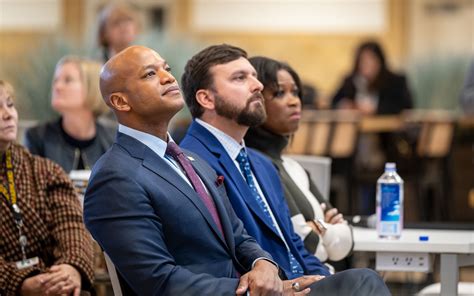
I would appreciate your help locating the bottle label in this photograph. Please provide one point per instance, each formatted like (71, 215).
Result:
(390, 202)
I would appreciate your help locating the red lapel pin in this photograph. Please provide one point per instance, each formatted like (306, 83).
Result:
(219, 180)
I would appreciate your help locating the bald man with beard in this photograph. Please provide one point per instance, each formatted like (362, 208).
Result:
(162, 216)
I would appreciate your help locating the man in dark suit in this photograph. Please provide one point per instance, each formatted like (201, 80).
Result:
(162, 216)
(224, 97)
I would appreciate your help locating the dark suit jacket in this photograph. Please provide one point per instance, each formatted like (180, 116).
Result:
(202, 142)
(158, 232)
(394, 95)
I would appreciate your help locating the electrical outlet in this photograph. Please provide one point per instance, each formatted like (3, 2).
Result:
(390, 261)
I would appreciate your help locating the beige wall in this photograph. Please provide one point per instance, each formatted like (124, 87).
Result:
(321, 59)
(15, 43)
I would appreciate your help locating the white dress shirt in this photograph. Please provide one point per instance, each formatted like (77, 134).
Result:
(157, 145)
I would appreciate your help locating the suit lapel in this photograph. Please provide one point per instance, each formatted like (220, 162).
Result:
(160, 167)
(214, 193)
(228, 165)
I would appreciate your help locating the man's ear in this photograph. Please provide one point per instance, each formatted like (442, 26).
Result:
(206, 99)
(119, 102)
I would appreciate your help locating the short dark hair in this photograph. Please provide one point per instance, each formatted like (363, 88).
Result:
(267, 70)
(197, 76)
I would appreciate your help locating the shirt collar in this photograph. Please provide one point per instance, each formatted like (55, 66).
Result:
(231, 146)
(154, 143)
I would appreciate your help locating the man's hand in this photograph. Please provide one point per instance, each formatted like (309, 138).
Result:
(263, 279)
(332, 216)
(300, 286)
(62, 279)
(33, 286)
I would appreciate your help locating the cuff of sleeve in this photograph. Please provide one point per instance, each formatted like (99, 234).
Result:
(311, 242)
(281, 273)
(264, 258)
(338, 241)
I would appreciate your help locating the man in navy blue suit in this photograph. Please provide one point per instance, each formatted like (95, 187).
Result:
(162, 215)
(224, 96)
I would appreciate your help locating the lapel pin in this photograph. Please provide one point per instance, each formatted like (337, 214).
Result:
(190, 158)
(219, 180)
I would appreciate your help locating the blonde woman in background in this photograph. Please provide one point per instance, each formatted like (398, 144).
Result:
(76, 140)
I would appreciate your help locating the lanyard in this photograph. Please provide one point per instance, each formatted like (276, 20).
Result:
(10, 195)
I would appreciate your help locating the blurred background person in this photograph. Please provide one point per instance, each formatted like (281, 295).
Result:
(45, 249)
(76, 140)
(118, 28)
(371, 87)
(282, 93)
(467, 94)
(310, 96)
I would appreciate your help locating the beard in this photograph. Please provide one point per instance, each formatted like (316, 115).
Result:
(246, 116)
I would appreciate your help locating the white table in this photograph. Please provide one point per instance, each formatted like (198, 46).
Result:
(456, 248)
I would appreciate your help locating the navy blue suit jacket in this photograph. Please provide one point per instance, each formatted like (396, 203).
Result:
(199, 140)
(158, 232)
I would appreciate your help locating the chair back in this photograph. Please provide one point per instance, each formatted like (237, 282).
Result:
(120, 287)
(319, 168)
(326, 133)
(436, 134)
(113, 276)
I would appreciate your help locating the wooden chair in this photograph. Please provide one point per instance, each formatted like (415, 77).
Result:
(331, 134)
(433, 148)
(326, 133)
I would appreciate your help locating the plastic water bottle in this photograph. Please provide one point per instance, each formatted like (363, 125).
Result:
(390, 203)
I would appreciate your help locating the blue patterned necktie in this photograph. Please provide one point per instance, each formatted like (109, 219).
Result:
(244, 164)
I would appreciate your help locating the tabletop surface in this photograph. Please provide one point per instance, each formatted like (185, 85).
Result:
(439, 241)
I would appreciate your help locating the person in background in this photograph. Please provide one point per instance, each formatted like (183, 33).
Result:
(118, 28)
(371, 87)
(45, 249)
(224, 96)
(466, 99)
(332, 238)
(75, 140)
(310, 98)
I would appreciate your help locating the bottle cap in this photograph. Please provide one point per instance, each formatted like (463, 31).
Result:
(390, 167)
